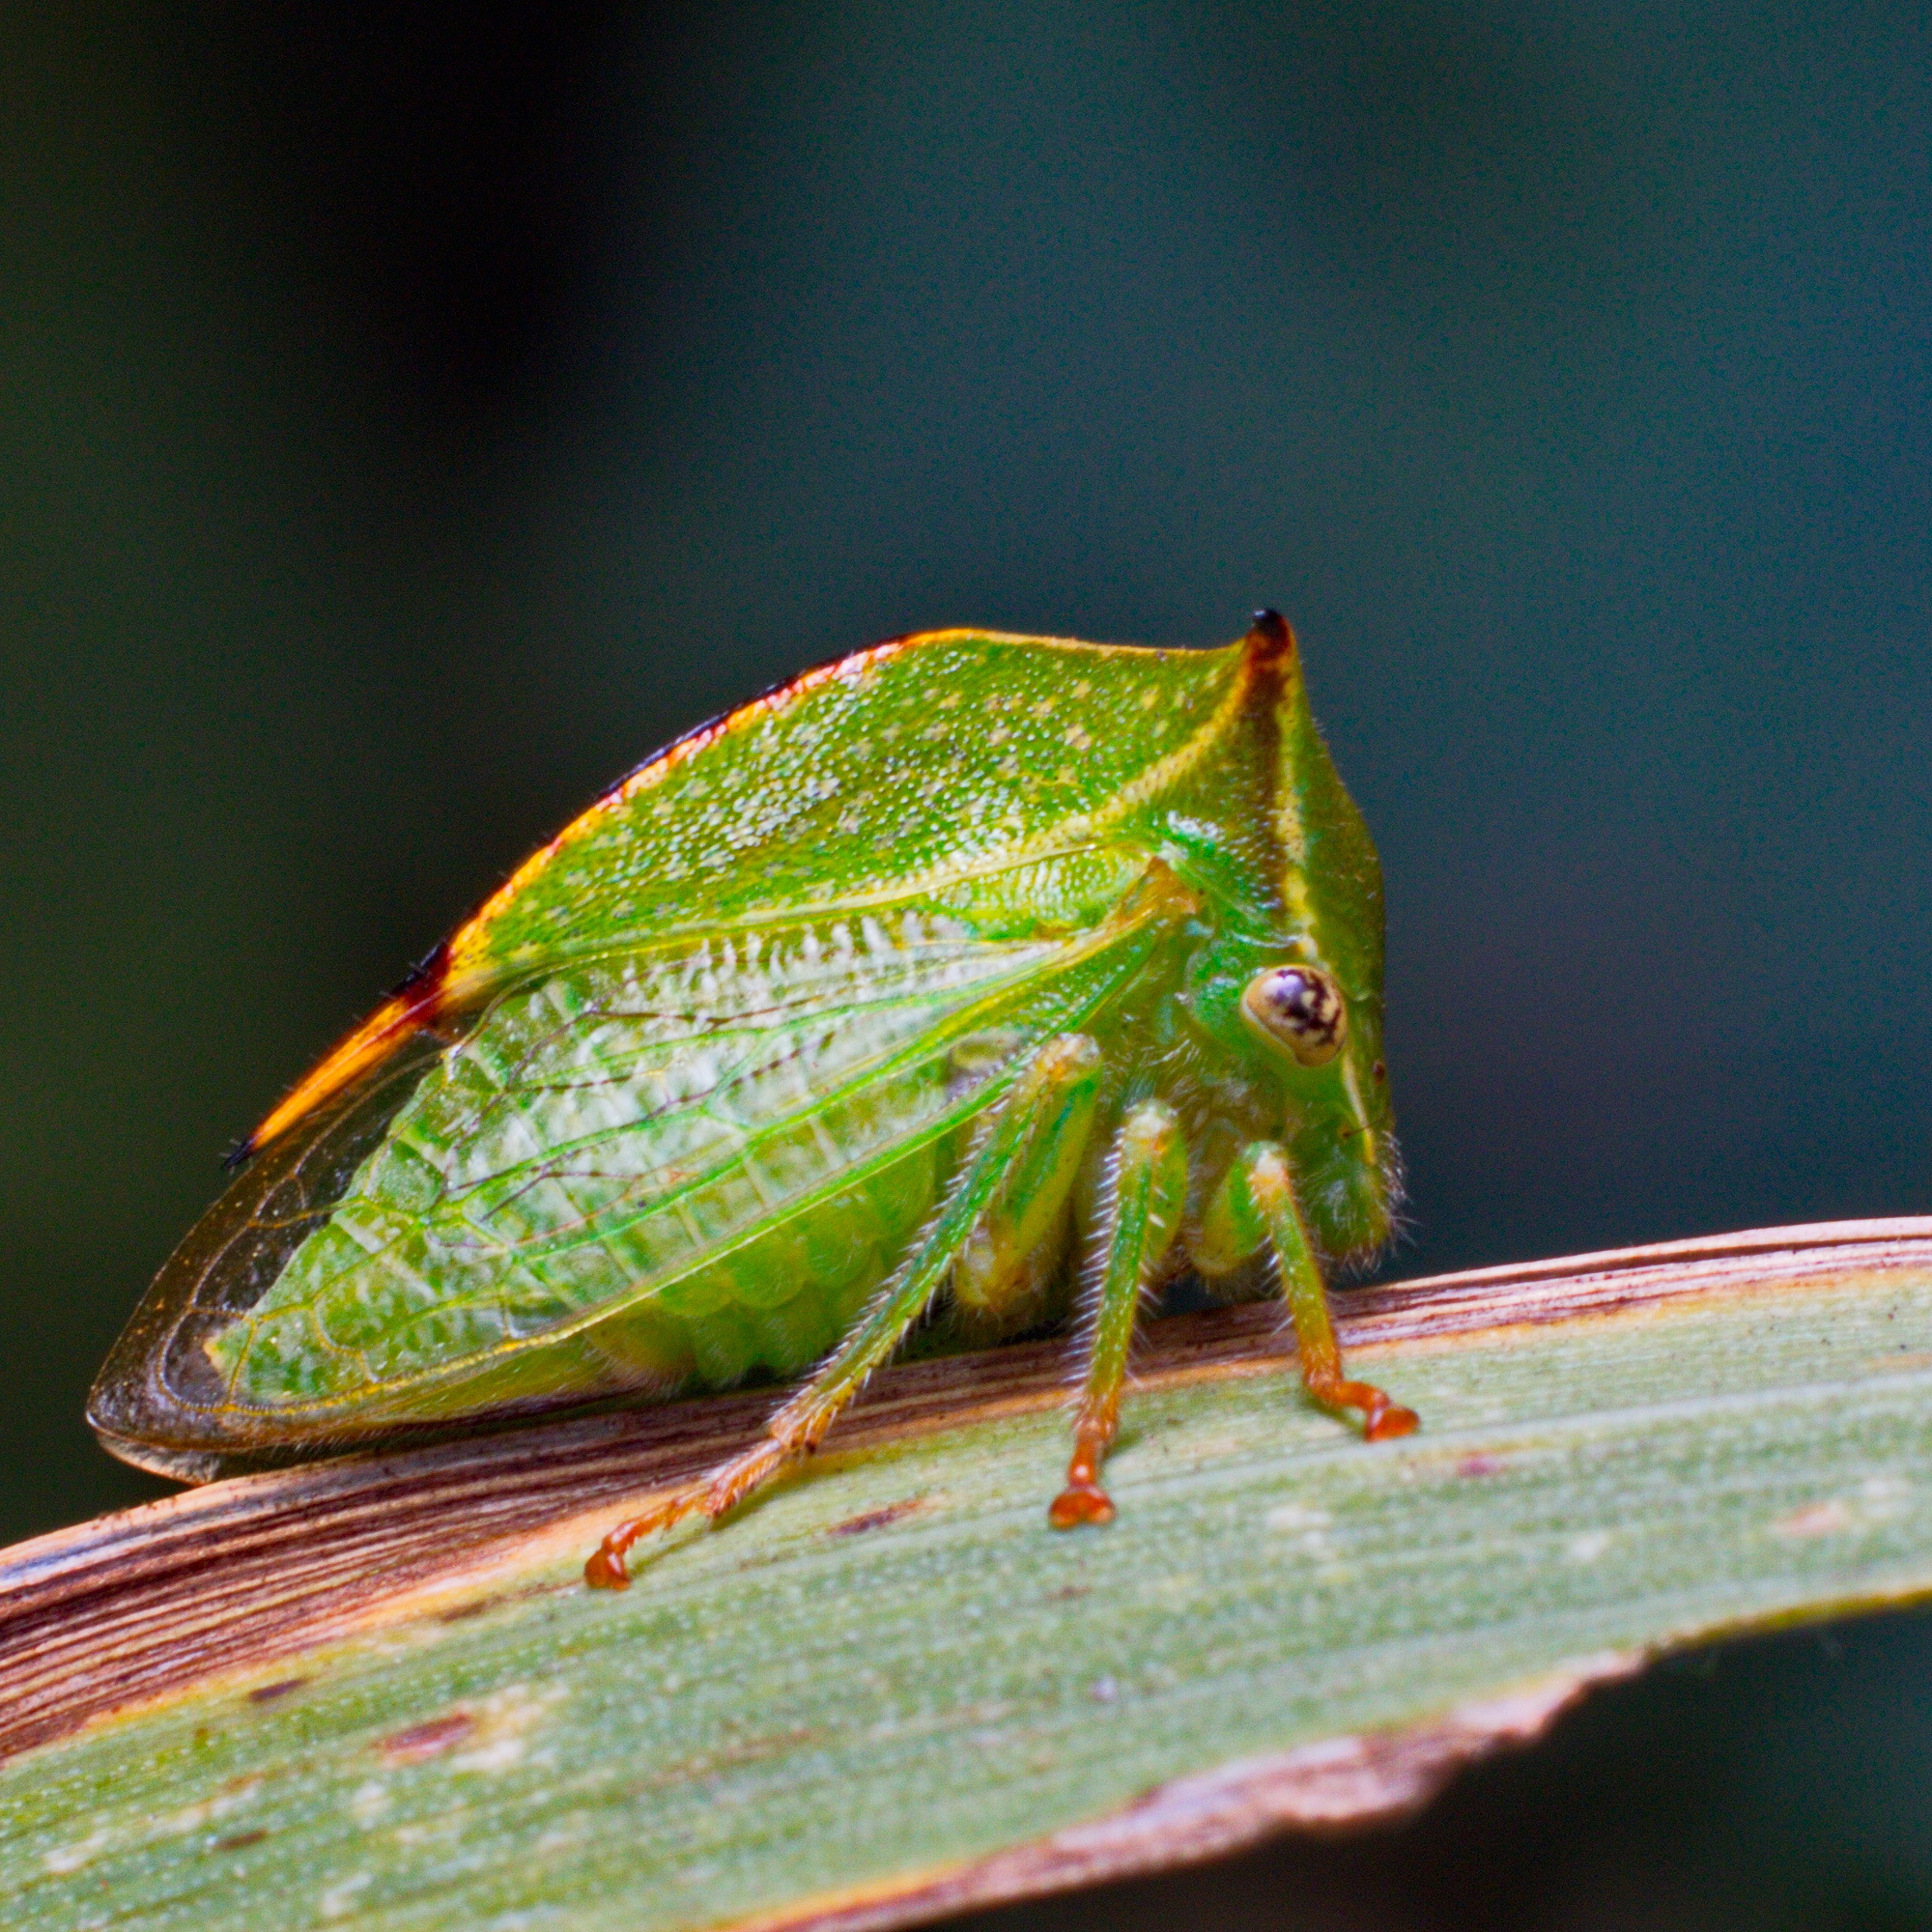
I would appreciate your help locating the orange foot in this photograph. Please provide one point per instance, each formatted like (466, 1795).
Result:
(1382, 1419)
(1389, 1419)
(606, 1569)
(1080, 1502)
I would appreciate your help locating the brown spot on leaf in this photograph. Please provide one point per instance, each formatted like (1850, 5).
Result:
(266, 1693)
(430, 1739)
(240, 1841)
(858, 1525)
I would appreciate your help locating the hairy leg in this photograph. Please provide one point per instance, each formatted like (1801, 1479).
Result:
(1254, 1205)
(1014, 1251)
(1024, 1152)
(1141, 1212)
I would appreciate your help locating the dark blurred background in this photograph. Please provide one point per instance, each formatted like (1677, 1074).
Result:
(409, 418)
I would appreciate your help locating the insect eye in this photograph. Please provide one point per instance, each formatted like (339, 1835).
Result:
(1301, 1008)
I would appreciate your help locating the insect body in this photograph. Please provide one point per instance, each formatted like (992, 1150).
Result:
(969, 974)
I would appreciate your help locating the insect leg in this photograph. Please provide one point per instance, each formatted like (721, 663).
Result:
(1026, 1137)
(1010, 1256)
(1147, 1192)
(1255, 1205)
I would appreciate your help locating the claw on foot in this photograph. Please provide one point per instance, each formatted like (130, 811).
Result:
(1386, 1420)
(605, 1569)
(1382, 1420)
(1080, 1502)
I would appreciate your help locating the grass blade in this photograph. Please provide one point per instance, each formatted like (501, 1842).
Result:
(373, 1691)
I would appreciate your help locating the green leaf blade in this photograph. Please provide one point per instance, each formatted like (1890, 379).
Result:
(889, 1688)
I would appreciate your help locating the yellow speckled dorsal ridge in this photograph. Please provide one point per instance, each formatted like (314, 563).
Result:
(769, 703)
(930, 757)
(894, 770)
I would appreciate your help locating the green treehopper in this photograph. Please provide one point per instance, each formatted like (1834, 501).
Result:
(970, 978)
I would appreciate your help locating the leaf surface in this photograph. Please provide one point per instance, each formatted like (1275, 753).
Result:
(375, 1693)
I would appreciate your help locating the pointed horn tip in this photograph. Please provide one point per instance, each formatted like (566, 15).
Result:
(1270, 638)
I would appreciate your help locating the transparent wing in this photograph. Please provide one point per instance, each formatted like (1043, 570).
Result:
(604, 1138)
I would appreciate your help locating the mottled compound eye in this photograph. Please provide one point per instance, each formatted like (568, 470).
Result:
(1302, 1008)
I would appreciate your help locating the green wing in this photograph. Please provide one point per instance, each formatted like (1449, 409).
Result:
(644, 1171)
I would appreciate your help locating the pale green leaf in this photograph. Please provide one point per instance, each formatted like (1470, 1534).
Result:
(374, 1693)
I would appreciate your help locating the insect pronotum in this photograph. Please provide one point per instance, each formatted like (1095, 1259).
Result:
(969, 976)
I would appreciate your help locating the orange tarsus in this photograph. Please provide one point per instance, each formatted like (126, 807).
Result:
(1388, 1420)
(607, 1569)
(1382, 1420)
(1078, 1503)
(1083, 1499)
